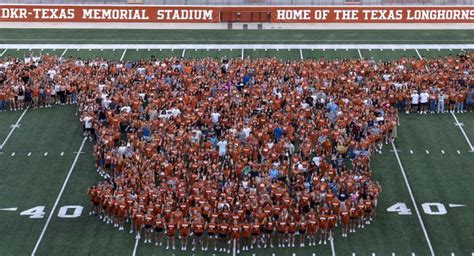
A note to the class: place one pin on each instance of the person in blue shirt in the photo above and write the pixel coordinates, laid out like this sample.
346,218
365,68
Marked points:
273,173
277,133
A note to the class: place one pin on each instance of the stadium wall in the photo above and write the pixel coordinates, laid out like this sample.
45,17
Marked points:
236,17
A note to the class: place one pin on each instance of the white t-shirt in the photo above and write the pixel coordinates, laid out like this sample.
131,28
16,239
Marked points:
222,147
87,122
215,117
424,97
247,131
415,98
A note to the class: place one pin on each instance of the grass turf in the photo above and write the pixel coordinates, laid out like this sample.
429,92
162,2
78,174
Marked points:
142,36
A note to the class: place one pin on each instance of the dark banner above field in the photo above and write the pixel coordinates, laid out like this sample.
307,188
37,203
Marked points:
206,14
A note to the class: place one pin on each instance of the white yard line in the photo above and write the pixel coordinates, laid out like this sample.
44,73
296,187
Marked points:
13,128
239,46
58,198
65,50
135,247
419,55
463,132
242,53
360,54
123,54
184,52
301,54
333,251
413,200
3,52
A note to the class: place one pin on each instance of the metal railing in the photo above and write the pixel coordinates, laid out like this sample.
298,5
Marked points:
246,2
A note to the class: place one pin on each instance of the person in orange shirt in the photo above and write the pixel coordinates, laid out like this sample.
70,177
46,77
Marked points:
312,227
224,231
292,228
268,229
302,228
344,215
138,223
149,222
170,233
234,236
256,230
184,230
212,230
199,226
159,228
323,228
353,214
245,235
332,220
361,213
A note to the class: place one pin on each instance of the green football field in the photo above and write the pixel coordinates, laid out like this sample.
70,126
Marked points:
46,165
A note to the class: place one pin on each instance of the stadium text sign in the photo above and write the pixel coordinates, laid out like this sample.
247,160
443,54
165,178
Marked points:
374,14
213,14
107,14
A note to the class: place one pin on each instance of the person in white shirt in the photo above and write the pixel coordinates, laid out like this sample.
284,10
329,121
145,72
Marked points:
87,120
215,117
424,96
222,145
415,100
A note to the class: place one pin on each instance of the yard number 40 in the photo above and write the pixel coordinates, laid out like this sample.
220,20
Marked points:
428,208
64,212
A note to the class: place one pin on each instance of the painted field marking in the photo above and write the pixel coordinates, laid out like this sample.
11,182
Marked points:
90,49
13,154
393,254
452,254
3,52
360,54
62,154
411,151
135,247
58,198
419,55
16,125
184,52
123,54
29,153
301,54
442,152
242,53
427,152
459,152
373,254
463,132
456,205
413,201
333,250
9,209
45,153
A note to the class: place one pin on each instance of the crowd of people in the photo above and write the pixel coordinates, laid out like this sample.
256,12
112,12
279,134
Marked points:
244,152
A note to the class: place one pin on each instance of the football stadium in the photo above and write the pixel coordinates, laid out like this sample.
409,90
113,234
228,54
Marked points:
236,127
